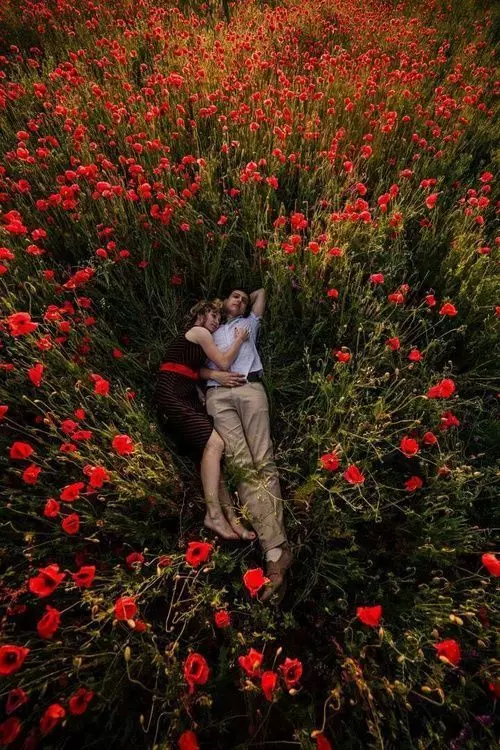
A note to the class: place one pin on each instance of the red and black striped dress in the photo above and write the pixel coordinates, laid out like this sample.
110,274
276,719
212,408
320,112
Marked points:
180,411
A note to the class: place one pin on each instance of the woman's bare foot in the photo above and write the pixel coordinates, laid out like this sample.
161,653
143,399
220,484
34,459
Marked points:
220,526
242,532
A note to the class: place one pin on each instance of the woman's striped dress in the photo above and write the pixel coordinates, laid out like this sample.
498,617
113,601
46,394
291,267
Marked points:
180,411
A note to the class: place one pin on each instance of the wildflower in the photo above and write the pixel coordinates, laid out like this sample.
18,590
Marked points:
123,445
444,389
448,309
196,671
47,580
12,658
222,619
15,699
291,670
19,450
125,608
21,324
413,483
84,577
9,730
268,682
415,355
353,475
393,343
491,563
197,553
71,524
188,741
251,662
377,278
409,447
449,651
254,580
370,615
429,438
431,200
71,492
49,623
35,374
330,461
51,718
79,701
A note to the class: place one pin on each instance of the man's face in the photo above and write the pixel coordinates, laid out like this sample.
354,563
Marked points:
236,304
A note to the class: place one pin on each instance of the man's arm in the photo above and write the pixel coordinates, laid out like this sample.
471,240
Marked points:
258,302
227,379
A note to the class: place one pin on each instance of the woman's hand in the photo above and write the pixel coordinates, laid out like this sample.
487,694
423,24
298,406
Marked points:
230,379
241,334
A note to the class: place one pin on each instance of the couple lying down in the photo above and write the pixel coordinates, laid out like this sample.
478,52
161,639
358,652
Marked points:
234,420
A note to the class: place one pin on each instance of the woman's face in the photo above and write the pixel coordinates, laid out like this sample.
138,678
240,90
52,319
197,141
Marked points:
211,320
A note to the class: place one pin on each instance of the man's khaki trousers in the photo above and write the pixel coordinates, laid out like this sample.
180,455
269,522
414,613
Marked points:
241,417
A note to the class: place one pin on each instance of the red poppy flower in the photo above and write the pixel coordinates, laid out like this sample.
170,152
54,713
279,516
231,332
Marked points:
429,438
330,461
198,553
495,689
123,445
15,699
222,619
491,563
51,718
196,671
79,701
449,650
415,355
188,741
413,483
97,475
353,475
35,374
448,309
9,730
71,492
47,580
448,419
20,323
84,577
71,524
444,389
322,743
165,561
19,450
254,580
134,558
268,682
291,670
377,278
51,509
370,615
49,623
251,662
30,474
393,343
12,658
3,411
125,608
409,447
431,200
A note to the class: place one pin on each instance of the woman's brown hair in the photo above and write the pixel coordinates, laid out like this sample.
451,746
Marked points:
202,308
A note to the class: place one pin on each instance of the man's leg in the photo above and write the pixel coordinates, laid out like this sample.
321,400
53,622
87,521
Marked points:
253,410
263,509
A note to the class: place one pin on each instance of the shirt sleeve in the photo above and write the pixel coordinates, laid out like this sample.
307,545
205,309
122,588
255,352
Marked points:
254,322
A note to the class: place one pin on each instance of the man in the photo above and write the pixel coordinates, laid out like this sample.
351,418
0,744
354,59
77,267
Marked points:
238,403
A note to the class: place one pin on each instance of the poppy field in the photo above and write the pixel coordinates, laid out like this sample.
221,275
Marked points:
342,155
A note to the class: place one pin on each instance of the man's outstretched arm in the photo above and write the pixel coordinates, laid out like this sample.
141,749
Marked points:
258,302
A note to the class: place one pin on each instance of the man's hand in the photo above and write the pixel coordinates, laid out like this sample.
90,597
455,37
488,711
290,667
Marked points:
229,379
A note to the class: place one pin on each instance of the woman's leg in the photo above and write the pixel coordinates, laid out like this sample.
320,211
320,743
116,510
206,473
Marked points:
210,479
227,507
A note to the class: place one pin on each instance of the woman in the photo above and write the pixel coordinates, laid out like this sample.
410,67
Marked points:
184,417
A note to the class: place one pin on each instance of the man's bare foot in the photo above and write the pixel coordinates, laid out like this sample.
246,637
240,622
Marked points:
242,532
220,526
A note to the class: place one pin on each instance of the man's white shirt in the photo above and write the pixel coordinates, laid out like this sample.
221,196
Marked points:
248,359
